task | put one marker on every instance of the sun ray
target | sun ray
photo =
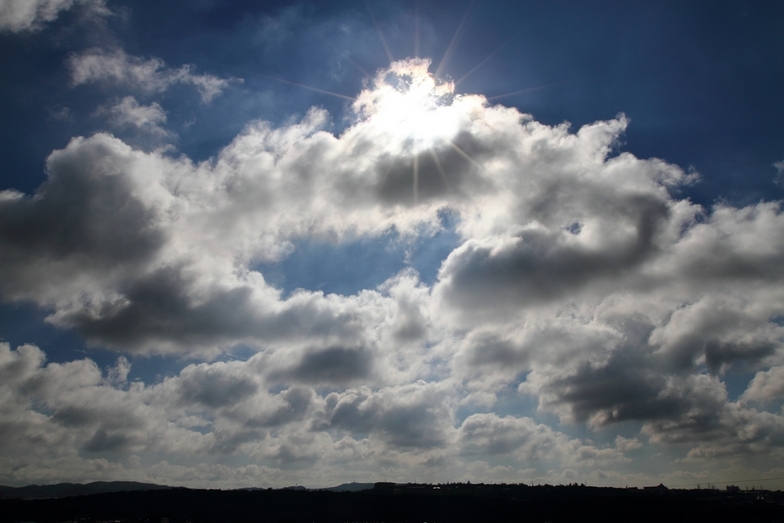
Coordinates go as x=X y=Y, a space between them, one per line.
x=464 y=154
x=451 y=47
x=281 y=80
x=527 y=90
x=480 y=64
x=416 y=175
x=359 y=67
x=380 y=34
x=440 y=169
x=416 y=29
x=353 y=62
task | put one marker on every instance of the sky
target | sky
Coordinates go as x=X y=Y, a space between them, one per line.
x=260 y=244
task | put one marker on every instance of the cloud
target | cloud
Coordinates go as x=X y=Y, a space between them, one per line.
x=330 y=365
x=580 y=283
x=161 y=250
x=31 y=15
x=408 y=416
x=132 y=72
x=86 y=413
x=128 y=113
x=213 y=387
x=84 y=221
x=529 y=442
x=766 y=385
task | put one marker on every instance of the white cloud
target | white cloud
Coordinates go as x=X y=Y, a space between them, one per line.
x=30 y=15
x=580 y=283
x=74 y=415
x=766 y=385
x=146 y=75
x=129 y=113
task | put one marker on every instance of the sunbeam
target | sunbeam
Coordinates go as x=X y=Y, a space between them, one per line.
x=316 y=89
x=416 y=175
x=359 y=67
x=380 y=34
x=521 y=91
x=347 y=56
x=440 y=169
x=464 y=154
x=416 y=29
x=480 y=64
x=451 y=47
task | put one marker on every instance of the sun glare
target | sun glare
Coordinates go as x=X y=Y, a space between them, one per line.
x=409 y=102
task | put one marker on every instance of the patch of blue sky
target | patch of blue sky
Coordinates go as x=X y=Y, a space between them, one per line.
x=737 y=381
x=364 y=263
x=23 y=323
x=155 y=368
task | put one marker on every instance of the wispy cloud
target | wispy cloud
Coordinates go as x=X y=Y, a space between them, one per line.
x=118 y=68
x=31 y=15
x=129 y=113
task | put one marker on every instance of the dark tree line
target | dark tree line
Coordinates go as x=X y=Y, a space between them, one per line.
x=402 y=503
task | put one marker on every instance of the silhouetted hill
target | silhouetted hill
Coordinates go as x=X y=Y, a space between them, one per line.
x=63 y=490
x=351 y=487
x=406 y=503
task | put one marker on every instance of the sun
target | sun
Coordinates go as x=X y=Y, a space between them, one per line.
x=408 y=108
x=410 y=104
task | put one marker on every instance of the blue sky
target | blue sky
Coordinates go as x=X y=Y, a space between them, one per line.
x=266 y=243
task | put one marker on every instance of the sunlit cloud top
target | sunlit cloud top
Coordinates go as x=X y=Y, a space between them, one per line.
x=406 y=98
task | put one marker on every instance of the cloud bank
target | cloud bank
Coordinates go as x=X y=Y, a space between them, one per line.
x=581 y=284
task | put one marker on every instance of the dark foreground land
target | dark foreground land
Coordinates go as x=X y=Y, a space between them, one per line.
x=404 y=503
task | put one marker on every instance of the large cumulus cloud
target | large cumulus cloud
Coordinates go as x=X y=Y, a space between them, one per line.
x=580 y=281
